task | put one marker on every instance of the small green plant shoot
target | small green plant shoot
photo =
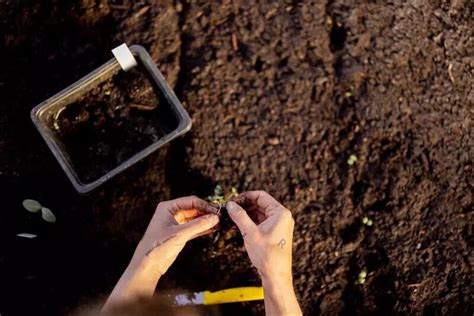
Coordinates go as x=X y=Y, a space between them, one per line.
x=220 y=197
x=367 y=221
x=351 y=160
x=362 y=276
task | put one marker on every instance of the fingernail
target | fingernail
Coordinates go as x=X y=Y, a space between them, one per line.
x=212 y=209
x=214 y=219
x=231 y=206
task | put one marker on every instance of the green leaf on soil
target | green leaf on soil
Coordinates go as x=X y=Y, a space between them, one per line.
x=218 y=190
x=362 y=276
x=32 y=205
x=367 y=221
x=351 y=160
x=48 y=215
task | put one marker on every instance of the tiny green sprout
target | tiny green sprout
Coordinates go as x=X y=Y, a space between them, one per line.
x=32 y=205
x=48 y=215
x=218 y=196
x=351 y=160
x=218 y=190
x=362 y=277
x=367 y=221
x=107 y=92
x=35 y=206
x=221 y=196
x=56 y=118
x=233 y=193
x=348 y=94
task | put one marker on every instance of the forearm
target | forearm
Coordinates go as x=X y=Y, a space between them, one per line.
x=139 y=280
x=280 y=298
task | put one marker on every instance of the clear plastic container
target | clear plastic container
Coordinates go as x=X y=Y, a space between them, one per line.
x=43 y=113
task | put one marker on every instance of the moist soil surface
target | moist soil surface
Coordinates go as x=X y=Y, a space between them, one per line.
x=281 y=95
x=112 y=122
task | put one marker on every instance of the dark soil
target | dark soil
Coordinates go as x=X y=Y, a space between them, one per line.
x=281 y=94
x=112 y=122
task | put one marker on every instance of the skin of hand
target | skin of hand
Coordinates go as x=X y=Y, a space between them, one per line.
x=267 y=230
x=174 y=223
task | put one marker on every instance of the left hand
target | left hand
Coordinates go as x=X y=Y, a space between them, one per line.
x=174 y=223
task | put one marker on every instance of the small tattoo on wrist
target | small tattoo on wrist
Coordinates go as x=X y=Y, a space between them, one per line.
x=159 y=243
x=282 y=243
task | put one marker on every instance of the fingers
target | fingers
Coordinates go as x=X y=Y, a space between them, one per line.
x=197 y=226
x=240 y=218
x=206 y=232
x=189 y=203
x=264 y=201
x=261 y=198
x=183 y=216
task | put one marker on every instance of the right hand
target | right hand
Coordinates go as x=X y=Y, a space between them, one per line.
x=267 y=229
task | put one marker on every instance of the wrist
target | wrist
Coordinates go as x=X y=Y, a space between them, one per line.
x=275 y=283
x=156 y=257
x=276 y=275
x=280 y=297
x=138 y=280
x=144 y=259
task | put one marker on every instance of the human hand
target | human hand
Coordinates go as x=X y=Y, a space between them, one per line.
x=267 y=229
x=174 y=223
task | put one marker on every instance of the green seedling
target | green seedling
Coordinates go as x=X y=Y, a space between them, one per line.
x=367 y=221
x=32 y=206
x=362 y=276
x=220 y=197
x=35 y=207
x=56 y=119
x=351 y=160
x=47 y=215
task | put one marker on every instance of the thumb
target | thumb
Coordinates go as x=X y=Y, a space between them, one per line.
x=197 y=226
x=240 y=218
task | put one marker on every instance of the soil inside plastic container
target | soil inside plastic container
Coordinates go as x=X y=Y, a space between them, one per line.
x=112 y=122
